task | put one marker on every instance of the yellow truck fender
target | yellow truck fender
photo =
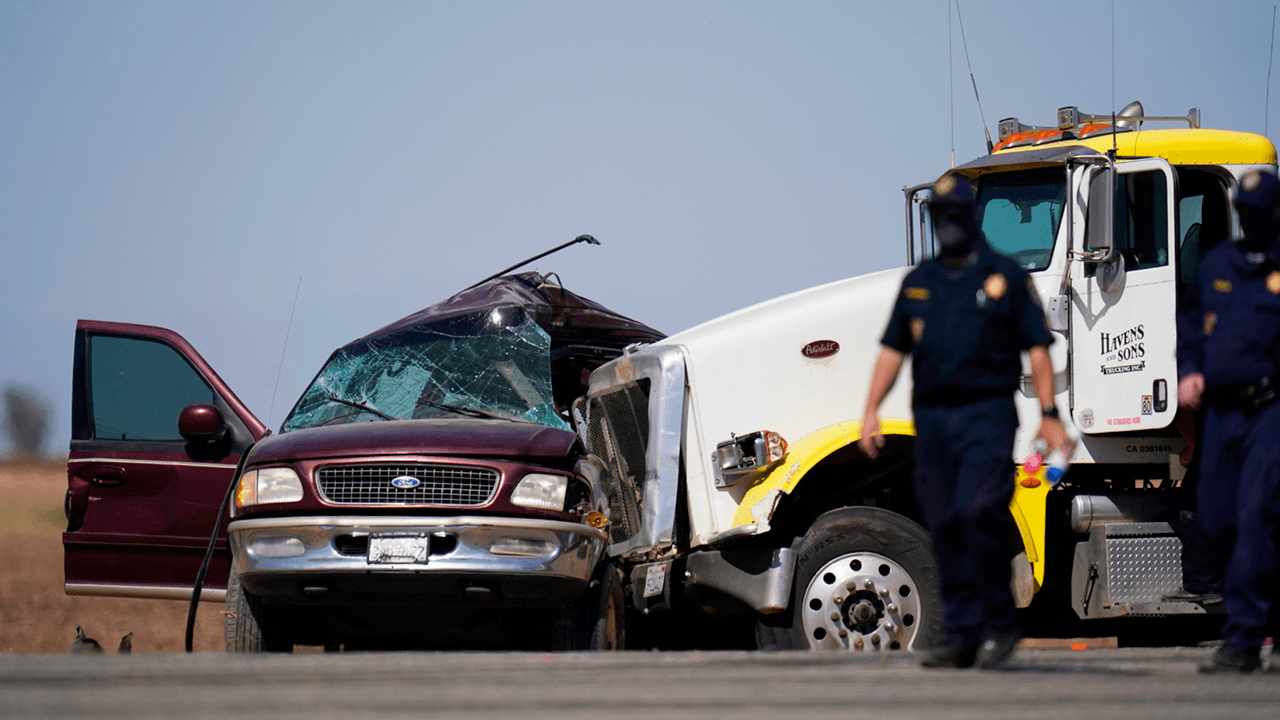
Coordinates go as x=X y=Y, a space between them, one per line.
x=803 y=455
x=1027 y=506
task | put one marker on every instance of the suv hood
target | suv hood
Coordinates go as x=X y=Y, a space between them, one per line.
x=461 y=437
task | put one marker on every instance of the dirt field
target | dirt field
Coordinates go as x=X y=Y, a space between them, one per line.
x=36 y=616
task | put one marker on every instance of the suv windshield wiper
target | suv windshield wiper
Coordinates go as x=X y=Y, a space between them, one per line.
x=360 y=405
x=472 y=412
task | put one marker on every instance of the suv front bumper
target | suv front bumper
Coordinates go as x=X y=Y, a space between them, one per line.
x=503 y=560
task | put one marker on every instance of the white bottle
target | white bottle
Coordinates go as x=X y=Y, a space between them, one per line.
x=1057 y=463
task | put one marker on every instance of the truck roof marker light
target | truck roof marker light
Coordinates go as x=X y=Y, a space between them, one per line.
x=1015 y=140
x=1050 y=136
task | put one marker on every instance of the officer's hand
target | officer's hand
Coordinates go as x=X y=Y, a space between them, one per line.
x=1190 y=390
x=1054 y=435
x=872 y=439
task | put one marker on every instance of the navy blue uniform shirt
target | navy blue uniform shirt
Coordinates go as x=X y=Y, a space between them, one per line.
x=966 y=328
x=1229 y=328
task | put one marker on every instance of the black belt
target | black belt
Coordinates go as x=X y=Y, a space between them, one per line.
x=955 y=397
x=1249 y=396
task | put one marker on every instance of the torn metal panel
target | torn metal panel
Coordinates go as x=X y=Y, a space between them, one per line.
x=759 y=578
x=516 y=347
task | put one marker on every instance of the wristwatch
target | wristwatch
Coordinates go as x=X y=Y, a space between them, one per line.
x=1049 y=411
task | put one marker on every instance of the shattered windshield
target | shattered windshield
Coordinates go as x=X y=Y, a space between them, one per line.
x=494 y=363
x=1020 y=211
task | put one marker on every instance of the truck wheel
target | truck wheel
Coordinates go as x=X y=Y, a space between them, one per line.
x=595 y=621
x=865 y=581
x=245 y=624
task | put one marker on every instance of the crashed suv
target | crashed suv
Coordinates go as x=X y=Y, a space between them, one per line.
x=425 y=490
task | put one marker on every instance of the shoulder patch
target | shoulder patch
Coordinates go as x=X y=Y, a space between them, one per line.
x=995 y=286
x=917 y=293
x=1210 y=322
x=1273 y=283
x=1222 y=286
x=917 y=328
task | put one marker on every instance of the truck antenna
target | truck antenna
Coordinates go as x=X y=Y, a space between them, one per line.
x=981 y=114
x=1266 y=115
x=581 y=238
x=280 y=369
x=1113 y=79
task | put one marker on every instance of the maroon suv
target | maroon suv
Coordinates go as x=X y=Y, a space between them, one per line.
x=425 y=490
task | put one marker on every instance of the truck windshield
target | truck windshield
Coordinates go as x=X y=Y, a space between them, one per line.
x=1020 y=211
x=495 y=363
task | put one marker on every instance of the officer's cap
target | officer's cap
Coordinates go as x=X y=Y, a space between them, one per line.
x=952 y=189
x=1259 y=190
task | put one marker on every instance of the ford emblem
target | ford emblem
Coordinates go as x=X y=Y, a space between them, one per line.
x=405 y=482
x=820 y=349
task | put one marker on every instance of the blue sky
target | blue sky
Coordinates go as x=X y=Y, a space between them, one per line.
x=183 y=164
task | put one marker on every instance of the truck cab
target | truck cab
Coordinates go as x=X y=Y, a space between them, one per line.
x=426 y=489
x=754 y=498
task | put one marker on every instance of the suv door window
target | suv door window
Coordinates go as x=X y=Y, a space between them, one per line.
x=139 y=387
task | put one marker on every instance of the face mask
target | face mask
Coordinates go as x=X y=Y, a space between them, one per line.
x=956 y=236
x=1259 y=230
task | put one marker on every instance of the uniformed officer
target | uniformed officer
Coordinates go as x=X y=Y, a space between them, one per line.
x=965 y=317
x=1229 y=360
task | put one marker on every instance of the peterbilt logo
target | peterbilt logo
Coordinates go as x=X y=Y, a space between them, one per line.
x=405 y=482
x=820 y=349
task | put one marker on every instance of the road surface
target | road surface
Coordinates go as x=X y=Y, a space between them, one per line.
x=1110 y=684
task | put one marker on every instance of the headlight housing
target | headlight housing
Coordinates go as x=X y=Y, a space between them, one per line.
x=541 y=490
x=269 y=485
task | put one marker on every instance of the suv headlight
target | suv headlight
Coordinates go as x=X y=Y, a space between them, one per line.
x=269 y=485
x=541 y=490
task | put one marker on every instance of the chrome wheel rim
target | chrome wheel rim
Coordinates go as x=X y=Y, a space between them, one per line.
x=861 y=602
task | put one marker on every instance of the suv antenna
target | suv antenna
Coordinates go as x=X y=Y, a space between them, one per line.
x=581 y=238
x=280 y=369
x=981 y=114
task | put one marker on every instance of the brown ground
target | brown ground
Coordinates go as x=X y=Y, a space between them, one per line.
x=36 y=616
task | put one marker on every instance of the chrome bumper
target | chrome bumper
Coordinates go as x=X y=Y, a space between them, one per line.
x=554 y=557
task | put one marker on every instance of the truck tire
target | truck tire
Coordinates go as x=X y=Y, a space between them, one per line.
x=597 y=619
x=865 y=580
x=246 y=627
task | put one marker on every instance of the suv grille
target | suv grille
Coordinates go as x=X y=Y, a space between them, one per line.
x=449 y=485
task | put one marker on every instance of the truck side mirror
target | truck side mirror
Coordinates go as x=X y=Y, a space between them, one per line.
x=1111 y=272
x=201 y=423
x=1099 y=225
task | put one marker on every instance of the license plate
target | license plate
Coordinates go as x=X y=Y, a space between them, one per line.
x=655 y=579
x=398 y=549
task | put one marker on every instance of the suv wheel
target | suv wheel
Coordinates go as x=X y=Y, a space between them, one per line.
x=247 y=626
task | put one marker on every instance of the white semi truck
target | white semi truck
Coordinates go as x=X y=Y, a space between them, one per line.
x=739 y=484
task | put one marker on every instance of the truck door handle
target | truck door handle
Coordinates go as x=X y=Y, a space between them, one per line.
x=108 y=476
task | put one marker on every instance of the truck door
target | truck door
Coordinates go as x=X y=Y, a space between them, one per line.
x=1122 y=323
x=141 y=499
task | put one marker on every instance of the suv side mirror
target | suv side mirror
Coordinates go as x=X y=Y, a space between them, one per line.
x=201 y=423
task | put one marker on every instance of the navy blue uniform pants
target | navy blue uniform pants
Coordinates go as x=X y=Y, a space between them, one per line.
x=964 y=482
x=1239 y=497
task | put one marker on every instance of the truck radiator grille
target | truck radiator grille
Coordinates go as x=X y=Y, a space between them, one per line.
x=447 y=485
x=618 y=432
